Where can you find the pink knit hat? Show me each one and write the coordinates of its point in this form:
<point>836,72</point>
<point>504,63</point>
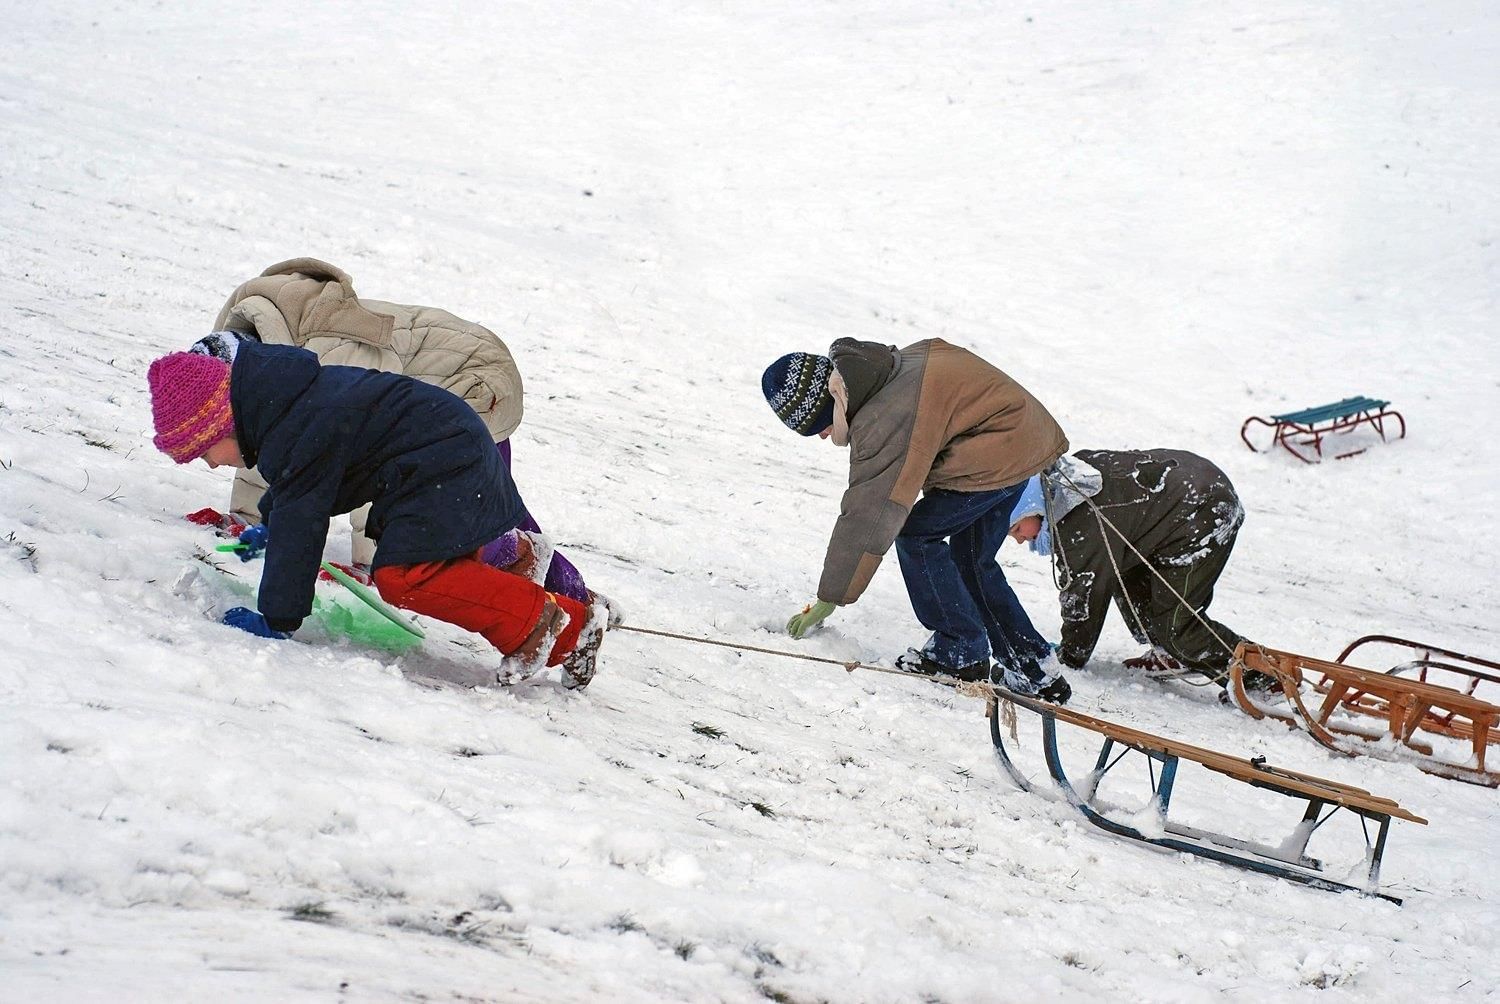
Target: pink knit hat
<point>189,404</point>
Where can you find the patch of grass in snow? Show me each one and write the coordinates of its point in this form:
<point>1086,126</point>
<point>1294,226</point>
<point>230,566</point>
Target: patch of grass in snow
<point>625,924</point>
<point>765,956</point>
<point>461,928</point>
<point>763,809</point>
<point>684,950</point>
<point>212,561</point>
<point>472,818</point>
<point>708,730</point>
<point>311,913</point>
<point>464,927</point>
<point>1073,959</point>
<point>28,551</point>
<point>1327,981</point>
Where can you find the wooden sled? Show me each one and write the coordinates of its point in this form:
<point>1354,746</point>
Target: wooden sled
<point>1289,860</point>
<point>1403,703</point>
<point>1432,664</point>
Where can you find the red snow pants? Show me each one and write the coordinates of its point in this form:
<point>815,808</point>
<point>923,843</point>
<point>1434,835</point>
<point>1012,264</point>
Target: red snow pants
<point>500,607</point>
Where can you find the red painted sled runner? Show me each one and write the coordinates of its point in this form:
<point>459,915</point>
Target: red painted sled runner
<point>1309,426</point>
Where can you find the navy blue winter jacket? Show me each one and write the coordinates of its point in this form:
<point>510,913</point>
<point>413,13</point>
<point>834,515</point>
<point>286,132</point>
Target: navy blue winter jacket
<point>328,439</point>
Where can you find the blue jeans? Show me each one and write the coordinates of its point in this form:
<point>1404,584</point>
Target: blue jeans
<point>958,591</point>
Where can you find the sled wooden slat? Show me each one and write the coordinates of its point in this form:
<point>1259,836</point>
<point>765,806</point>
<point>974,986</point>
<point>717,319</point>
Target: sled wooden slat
<point>1404,705</point>
<point>1287,860</point>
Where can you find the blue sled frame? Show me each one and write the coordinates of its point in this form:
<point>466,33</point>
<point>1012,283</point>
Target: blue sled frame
<point>1289,861</point>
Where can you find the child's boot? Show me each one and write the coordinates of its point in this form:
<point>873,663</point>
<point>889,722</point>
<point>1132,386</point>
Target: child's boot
<point>580,665</point>
<point>615,613</point>
<point>534,652</point>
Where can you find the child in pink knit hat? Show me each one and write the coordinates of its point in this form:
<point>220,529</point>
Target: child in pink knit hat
<point>330,439</point>
<point>190,405</point>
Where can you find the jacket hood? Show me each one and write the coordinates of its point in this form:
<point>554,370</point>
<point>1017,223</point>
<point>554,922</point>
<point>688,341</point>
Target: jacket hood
<point>865,366</point>
<point>288,370</point>
<point>1069,482</point>
<point>313,268</point>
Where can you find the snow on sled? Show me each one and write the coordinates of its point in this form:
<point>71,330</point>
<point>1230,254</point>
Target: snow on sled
<point>1321,799</point>
<point>1339,705</point>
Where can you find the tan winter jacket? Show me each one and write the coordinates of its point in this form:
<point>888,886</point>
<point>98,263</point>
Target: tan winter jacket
<point>933,416</point>
<point>311,304</point>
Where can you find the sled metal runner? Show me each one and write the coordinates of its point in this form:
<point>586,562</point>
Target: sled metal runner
<point>1322,798</point>
<point>1316,690</point>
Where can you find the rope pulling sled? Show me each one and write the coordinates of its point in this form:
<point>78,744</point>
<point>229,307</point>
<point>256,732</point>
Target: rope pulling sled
<point>1289,860</point>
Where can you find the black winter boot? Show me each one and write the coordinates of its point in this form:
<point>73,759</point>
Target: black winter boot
<point>916,661</point>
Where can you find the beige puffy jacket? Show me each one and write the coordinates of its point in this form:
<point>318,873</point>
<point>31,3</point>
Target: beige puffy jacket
<point>311,304</point>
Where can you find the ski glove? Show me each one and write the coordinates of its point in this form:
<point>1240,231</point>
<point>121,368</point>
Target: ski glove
<point>811,616</point>
<point>253,542</point>
<point>249,620</point>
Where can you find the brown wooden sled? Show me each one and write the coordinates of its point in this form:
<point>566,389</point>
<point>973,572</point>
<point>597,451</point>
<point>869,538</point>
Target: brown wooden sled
<point>1320,798</point>
<point>1403,703</point>
<point>1430,664</point>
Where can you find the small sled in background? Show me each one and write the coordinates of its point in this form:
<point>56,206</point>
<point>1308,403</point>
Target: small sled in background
<point>1407,699</point>
<point>1309,426</point>
<point>1320,798</point>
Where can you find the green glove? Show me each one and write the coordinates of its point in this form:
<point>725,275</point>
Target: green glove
<point>811,616</point>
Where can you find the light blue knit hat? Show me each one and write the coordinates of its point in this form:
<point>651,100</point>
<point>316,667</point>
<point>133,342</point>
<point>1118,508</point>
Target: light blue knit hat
<point>1033,503</point>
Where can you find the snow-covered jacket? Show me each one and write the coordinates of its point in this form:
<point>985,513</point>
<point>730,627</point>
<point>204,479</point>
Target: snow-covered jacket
<point>1174,507</point>
<point>311,304</point>
<point>330,439</point>
<point>928,416</point>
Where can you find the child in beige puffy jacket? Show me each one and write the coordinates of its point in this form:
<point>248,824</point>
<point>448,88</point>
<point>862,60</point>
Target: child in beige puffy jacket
<point>311,304</point>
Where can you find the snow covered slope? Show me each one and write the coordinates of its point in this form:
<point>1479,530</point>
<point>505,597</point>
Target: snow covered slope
<point>1159,217</point>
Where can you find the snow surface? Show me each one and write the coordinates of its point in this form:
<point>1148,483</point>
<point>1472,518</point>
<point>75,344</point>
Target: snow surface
<point>1160,217</point>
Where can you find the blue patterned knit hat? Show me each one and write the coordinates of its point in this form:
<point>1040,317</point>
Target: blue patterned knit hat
<point>796,387</point>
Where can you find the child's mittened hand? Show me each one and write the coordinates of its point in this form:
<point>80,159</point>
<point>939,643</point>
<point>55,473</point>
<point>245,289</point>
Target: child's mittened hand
<point>249,620</point>
<point>533,556</point>
<point>525,562</point>
<point>253,542</point>
<point>811,616</point>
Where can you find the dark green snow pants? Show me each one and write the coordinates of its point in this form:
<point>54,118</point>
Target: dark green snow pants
<point>1167,624</point>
